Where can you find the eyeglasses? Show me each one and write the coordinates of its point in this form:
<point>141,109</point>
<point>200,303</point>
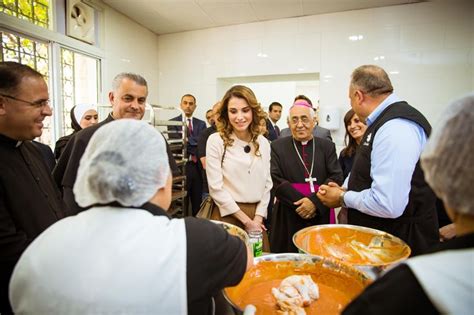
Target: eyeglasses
<point>304,120</point>
<point>38,104</point>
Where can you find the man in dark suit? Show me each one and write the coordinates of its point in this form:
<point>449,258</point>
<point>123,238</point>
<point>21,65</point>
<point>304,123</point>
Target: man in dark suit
<point>202,145</point>
<point>274,114</point>
<point>210,117</point>
<point>194,128</point>
<point>318,132</point>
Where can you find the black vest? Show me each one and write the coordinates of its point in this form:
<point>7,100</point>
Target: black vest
<point>418,225</point>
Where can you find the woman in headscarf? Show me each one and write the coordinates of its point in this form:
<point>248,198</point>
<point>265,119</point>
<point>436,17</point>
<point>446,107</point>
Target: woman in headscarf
<point>82,116</point>
<point>440,282</point>
<point>125,255</point>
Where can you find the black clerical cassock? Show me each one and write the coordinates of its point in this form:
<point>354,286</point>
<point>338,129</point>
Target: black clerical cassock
<point>29,204</point>
<point>298,169</point>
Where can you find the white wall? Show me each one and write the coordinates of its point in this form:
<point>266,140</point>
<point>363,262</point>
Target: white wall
<point>429,46</point>
<point>129,47</point>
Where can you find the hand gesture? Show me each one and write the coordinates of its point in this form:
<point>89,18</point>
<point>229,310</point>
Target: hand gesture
<point>306,208</point>
<point>329,194</point>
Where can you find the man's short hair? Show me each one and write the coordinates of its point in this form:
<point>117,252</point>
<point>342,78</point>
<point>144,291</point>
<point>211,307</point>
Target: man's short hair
<point>11,74</point>
<point>127,75</point>
<point>372,80</point>
<point>303,97</point>
<point>190,95</point>
<point>273,105</point>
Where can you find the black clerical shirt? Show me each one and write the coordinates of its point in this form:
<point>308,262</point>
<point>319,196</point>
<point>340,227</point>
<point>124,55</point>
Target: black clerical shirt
<point>29,203</point>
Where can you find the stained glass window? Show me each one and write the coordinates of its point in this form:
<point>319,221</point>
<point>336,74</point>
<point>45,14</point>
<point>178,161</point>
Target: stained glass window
<point>35,11</point>
<point>34,54</point>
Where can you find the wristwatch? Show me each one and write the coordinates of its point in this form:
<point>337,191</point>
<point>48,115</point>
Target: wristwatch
<point>341,199</point>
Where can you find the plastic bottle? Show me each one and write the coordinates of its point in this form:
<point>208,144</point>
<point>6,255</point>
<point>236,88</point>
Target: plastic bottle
<point>256,240</point>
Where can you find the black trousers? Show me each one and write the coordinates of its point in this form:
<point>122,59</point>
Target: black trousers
<point>193,186</point>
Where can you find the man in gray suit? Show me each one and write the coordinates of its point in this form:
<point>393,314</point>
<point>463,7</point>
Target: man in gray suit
<point>318,132</point>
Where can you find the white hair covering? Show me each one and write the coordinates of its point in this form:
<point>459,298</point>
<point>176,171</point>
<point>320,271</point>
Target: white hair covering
<point>447,158</point>
<point>81,109</point>
<point>125,161</point>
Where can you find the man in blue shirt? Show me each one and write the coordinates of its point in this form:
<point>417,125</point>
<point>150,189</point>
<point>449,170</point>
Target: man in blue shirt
<point>386,189</point>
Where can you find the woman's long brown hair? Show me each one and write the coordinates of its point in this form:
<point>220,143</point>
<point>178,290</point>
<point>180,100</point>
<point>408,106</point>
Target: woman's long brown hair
<point>349,141</point>
<point>224,127</point>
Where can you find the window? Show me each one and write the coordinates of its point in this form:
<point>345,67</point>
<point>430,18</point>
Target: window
<point>72,77</point>
<point>34,54</point>
<point>35,11</point>
<point>26,51</point>
<point>80,84</point>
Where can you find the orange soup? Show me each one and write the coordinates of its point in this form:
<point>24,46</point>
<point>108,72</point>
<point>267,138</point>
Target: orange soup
<point>336,287</point>
<point>355,246</point>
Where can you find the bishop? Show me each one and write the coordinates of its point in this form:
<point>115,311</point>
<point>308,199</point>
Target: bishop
<point>299,164</point>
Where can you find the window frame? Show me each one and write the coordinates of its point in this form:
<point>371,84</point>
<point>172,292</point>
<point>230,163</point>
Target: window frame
<point>56,41</point>
<point>31,3</point>
<point>60,86</point>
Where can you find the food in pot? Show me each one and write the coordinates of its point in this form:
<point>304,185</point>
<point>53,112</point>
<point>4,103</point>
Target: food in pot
<point>294,293</point>
<point>354,245</point>
<point>337,283</point>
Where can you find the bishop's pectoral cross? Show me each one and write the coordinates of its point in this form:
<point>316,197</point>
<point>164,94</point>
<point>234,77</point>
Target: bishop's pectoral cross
<point>311,181</point>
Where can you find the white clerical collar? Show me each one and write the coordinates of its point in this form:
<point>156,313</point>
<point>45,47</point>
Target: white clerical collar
<point>304,142</point>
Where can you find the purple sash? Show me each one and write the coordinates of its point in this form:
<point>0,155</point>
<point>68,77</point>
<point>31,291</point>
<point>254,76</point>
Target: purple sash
<point>305,189</point>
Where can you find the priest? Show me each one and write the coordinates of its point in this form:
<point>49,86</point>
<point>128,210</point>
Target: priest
<point>29,200</point>
<point>300,164</point>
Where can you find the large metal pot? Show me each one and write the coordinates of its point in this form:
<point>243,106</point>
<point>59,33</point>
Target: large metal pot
<point>368,249</point>
<point>233,230</point>
<point>338,283</point>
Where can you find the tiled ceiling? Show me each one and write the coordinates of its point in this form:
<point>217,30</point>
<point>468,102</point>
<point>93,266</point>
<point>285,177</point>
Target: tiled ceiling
<point>172,16</point>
